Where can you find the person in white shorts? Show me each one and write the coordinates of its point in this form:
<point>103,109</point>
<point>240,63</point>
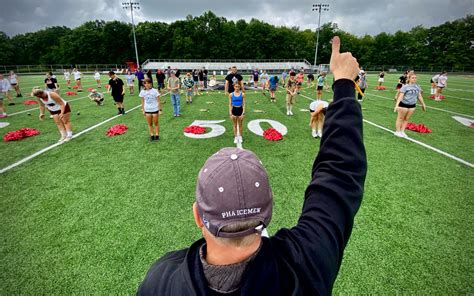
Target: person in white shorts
<point>317,111</point>
<point>381,78</point>
<point>4,88</point>
<point>263,81</point>
<point>97,78</point>
<point>441,84</point>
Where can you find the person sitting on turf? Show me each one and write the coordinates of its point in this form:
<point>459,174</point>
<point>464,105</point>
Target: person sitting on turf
<point>317,110</point>
<point>234,206</point>
<point>96,97</point>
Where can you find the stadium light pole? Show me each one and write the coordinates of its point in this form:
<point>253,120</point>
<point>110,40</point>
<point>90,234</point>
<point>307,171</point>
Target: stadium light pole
<point>319,7</point>
<point>132,6</point>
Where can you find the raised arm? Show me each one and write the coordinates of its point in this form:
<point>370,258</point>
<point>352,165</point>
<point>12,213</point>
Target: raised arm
<point>316,244</point>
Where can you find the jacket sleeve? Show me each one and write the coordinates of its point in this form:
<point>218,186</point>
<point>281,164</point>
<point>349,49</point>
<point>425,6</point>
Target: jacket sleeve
<point>332,198</point>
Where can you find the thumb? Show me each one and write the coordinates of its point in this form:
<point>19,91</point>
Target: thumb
<point>336,46</point>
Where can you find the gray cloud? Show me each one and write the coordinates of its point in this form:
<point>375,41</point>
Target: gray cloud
<point>354,16</point>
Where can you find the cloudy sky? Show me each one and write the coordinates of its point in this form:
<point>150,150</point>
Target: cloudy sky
<point>355,16</point>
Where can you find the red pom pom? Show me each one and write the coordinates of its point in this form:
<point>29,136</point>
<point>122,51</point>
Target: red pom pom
<point>117,129</point>
<point>420,128</point>
<point>90,89</point>
<point>30,102</point>
<point>20,134</point>
<point>440,97</point>
<point>75,87</point>
<point>195,129</point>
<point>272,134</point>
<point>71,93</point>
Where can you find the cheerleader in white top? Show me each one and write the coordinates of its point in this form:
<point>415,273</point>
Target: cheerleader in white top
<point>15,83</point>
<point>97,78</point>
<point>77,77</point>
<point>59,109</point>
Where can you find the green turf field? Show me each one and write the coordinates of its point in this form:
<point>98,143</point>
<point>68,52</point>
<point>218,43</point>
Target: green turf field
<point>91,215</point>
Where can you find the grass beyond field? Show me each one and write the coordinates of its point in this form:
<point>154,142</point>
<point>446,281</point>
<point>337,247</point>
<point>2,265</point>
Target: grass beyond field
<point>90,216</point>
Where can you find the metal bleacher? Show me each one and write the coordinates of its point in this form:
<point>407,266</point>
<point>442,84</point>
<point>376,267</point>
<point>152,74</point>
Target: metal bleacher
<point>242,65</point>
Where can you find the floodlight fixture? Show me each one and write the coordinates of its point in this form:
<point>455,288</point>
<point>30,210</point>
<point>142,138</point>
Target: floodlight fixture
<point>318,7</point>
<point>133,6</point>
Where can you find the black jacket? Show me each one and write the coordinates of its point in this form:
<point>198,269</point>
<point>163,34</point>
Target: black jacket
<point>303,260</point>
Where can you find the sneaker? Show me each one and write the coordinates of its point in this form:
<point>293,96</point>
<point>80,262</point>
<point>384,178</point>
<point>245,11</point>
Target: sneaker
<point>67,139</point>
<point>291,112</point>
<point>178,115</point>
<point>152,138</point>
<point>403,134</point>
<point>320,134</point>
<point>236,140</point>
<point>11,104</point>
<point>119,113</point>
<point>398,134</point>
<point>314,134</point>
<point>157,138</point>
<point>437,100</point>
<point>62,139</point>
<point>287,112</point>
<point>241,140</point>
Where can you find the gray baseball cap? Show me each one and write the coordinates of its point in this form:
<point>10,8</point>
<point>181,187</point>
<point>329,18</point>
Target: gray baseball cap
<point>233,186</point>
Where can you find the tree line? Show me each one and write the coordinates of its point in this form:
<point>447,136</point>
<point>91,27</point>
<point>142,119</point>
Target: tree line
<point>211,37</point>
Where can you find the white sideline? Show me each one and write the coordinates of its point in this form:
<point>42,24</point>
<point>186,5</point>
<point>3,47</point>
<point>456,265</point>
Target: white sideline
<point>416,142</point>
<point>21,161</point>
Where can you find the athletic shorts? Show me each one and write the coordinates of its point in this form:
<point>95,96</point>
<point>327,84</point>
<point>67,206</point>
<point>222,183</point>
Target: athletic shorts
<point>403,105</point>
<point>130,84</point>
<point>14,84</point>
<point>237,111</point>
<point>67,109</point>
<point>399,86</point>
<point>440,86</point>
<point>255,80</point>
<point>154,112</point>
<point>320,87</point>
<point>381,80</point>
<point>273,88</point>
<point>431,81</point>
<point>290,99</point>
<point>190,93</point>
<point>118,98</point>
<point>299,83</point>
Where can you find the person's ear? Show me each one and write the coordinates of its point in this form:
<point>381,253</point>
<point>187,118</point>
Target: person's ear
<point>197,218</point>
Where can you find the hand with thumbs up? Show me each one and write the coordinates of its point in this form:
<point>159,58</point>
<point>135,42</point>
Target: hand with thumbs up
<point>342,65</point>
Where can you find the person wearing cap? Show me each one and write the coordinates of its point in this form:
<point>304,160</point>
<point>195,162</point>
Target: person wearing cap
<point>96,97</point>
<point>118,91</point>
<point>234,206</point>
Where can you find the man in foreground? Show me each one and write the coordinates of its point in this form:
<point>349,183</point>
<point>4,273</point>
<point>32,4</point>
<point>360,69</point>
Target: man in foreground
<point>234,205</point>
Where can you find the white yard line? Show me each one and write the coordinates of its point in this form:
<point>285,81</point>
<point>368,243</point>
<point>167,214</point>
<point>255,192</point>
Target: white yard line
<point>439,109</point>
<point>21,161</point>
<point>415,141</point>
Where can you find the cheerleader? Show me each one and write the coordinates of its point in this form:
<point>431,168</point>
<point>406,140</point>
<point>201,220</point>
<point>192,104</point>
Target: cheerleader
<point>441,84</point>
<point>77,78</point>
<point>14,82</point>
<point>406,104</point>
<point>59,109</point>
<point>67,77</point>
<point>151,108</point>
<point>237,111</point>
<point>97,78</point>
